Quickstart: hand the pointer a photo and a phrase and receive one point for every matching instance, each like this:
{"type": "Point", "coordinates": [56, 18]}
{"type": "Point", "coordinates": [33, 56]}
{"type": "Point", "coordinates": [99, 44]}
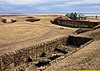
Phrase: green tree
{"type": "Point", "coordinates": [75, 15]}
{"type": "Point", "coordinates": [67, 15]}
{"type": "Point", "coordinates": [72, 15]}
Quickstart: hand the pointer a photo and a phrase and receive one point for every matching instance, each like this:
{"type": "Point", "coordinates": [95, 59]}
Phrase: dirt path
{"type": "Point", "coordinates": [12, 46]}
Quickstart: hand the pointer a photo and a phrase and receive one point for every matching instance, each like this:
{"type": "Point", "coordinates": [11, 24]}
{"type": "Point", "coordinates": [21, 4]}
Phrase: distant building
{"type": "Point", "coordinates": [76, 16]}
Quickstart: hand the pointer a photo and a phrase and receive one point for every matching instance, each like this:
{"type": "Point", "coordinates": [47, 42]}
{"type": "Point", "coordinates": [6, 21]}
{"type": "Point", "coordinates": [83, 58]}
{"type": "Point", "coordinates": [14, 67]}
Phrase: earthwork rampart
{"type": "Point", "coordinates": [75, 23]}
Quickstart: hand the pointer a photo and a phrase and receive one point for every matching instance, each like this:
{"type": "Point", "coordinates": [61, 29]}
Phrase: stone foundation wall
{"type": "Point", "coordinates": [75, 23]}
{"type": "Point", "coordinates": [19, 57]}
{"type": "Point", "coordinates": [77, 41]}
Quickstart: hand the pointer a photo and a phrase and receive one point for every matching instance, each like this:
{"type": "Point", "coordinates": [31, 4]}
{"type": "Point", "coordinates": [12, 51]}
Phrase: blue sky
{"type": "Point", "coordinates": [49, 6]}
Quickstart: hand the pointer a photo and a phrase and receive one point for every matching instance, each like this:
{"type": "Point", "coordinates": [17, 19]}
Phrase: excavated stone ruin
{"type": "Point", "coordinates": [80, 31]}
{"type": "Point", "coordinates": [43, 54]}
{"type": "Point", "coordinates": [53, 57]}
{"type": "Point", "coordinates": [32, 19]}
{"type": "Point", "coordinates": [51, 52]}
{"type": "Point", "coordinates": [71, 43]}
{"type": "Point", "coordinates": [29, 60]}
{"type": "Point", "coordinates": [77, 41]}
{"type": "Point", "coordinates": [8, 20]}
{"type": "Point", "coordinates": [61, 50]}
{"type": "Point", "coordinates": [42, 63]}
{"type": "Point", "coordinates": [74, 23]}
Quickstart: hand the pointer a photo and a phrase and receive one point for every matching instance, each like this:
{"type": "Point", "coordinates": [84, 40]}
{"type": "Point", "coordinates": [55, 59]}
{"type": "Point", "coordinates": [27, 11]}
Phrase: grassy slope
{"type": "Point", "coordinates": [86, 58]}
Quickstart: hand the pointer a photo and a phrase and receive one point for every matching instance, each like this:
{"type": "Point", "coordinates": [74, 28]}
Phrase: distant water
{"type": "Point", "coordinates": [92, 14]}
{"type": "Point", "coordinates": [61, 13]}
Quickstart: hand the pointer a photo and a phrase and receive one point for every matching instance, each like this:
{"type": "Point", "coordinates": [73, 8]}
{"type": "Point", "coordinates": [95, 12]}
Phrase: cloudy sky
{"type": "Point", "coordinates": [49, 6]}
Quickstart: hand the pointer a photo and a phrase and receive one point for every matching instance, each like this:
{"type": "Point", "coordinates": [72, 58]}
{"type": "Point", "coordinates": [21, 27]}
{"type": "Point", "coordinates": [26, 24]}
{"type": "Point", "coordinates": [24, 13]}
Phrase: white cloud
{"type": "Point", "coordinates": [48, 1]}
{"type": "Point", "coordinates": [91, 1]}
{"type": "Point", "coordinates": [49, 5]}
{"type": "Point", "coordinates": [31, 1]}
{"type": "Point", "coordinates": [22, 1]}
{"type": "Point", "coordinates": [83, 2]}
{"type": "Point", "coordinates": [42, 8]}
{"type": "Point", "coordinates": [76, 2]}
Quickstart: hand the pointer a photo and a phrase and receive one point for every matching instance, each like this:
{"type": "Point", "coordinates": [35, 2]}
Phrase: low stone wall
{"type": "Point", "coordinates": [75, 23]}
{"type": "Point", "coordinates": [19, 57]}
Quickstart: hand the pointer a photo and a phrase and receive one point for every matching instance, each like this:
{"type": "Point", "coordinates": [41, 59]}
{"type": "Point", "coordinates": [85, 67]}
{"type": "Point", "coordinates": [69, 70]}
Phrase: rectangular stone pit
{"type": "Point", "coordinates": [77, 41]}
{"type": "Point", "coordinates": [33, 53]}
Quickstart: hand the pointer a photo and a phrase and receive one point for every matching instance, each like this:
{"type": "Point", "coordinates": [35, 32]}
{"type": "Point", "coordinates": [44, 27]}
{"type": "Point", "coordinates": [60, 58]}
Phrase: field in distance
{"type": "Point", "coordinates": [23, 34]}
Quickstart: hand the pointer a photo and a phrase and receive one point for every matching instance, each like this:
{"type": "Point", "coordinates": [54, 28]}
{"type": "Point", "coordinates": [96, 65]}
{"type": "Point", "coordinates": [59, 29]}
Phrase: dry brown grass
{"type": "Point", "coordinates": [24, 34]}
{"type": "Point", "coordinates": [87, 58]}
{"type": "Point", "coordinates": [19, 32]}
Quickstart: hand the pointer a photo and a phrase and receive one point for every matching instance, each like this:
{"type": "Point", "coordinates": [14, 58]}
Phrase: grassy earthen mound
{"type": "Point", "coordinates": [60, 18]}
{"type": "Point", "coordinates": [32, 19]}
{"type": "Point", "coordinates": [8, 20]}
